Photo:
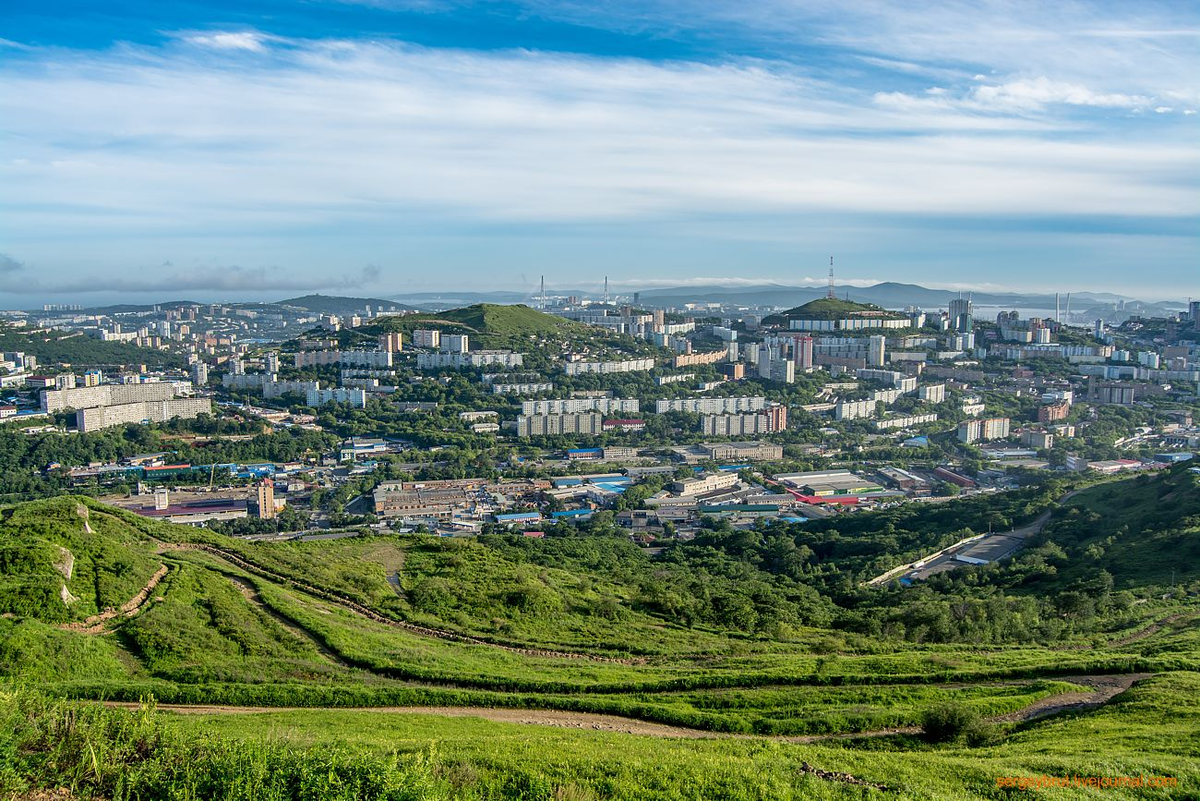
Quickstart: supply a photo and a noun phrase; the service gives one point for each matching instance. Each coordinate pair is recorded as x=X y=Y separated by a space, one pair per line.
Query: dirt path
x=250 y=593
x=372 y=615
x=1150 y=630
x=96 y=623
x=1103 y=689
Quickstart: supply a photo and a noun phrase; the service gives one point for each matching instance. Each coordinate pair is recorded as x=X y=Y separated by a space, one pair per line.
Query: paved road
x=986 y=548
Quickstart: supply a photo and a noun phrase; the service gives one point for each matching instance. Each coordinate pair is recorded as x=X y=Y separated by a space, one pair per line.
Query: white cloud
x=1036 y=93
x=229 y=40
x=1163 y=109
x=181 y=151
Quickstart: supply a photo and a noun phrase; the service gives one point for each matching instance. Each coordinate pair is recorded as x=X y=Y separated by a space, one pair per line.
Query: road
x=980 y=547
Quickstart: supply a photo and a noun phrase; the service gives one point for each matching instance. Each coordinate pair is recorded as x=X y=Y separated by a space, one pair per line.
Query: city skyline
x=260 y=150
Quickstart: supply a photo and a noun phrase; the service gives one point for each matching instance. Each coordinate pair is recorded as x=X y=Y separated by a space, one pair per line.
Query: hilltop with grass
x=837 y=309
x=719 y=667
x=490 y=319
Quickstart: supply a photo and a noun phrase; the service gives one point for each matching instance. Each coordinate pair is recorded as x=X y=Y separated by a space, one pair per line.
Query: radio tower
x=832 y=295
x=606 y=290
x=543 y=292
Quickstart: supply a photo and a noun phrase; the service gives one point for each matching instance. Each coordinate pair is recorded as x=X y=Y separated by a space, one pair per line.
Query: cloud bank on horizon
x=271 y=146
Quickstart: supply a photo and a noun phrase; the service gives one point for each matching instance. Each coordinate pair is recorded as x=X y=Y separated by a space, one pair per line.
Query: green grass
x=280 y=632
x=1123 y=739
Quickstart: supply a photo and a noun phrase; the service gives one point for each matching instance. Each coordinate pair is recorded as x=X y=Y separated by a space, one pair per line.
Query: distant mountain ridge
x=335 y=304
x=889 y=294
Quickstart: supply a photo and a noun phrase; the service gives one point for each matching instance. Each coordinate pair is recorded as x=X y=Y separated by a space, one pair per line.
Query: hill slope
x=835 y=308
x=486 y=319
x=55 y=347
x=334 y=304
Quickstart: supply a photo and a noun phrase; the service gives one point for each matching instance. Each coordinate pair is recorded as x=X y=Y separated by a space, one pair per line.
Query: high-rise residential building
x=576 y=405
x=392 y=342
x=984 y=430
x=93 y=378
x=455 y=343
x=933 y=393
x=960 y=314
x=266 y=500
x=876 y=350
x=272 y=362
x=427 y=338
x=200 y=374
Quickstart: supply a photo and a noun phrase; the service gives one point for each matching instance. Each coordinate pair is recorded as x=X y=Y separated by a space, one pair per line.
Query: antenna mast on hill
x=832 y=295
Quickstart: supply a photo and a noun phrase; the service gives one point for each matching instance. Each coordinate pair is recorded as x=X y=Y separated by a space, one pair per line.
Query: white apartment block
x=319 y=397
x=736 y=425
x=983 y=430
x=906 y=421
x=932 y=393
x=548 y=425
x=56 y=400
x=531 y=388
x=627 y=366
x=355 y=358
x=154 y=411
x=731 y=405
x=576 y=405
x=852 y=410
x=479 y=358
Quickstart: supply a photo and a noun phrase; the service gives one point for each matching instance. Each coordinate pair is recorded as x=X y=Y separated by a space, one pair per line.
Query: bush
x=954 y=722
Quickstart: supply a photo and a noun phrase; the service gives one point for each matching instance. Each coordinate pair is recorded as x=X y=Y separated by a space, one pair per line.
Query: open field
x=437 y=663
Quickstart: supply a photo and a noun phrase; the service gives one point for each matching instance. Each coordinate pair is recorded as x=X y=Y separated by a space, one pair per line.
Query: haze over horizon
x=264 y=149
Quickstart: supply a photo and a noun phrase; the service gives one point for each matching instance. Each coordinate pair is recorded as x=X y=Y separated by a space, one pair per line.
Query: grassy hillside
x=62 y=347
x=335 y=304
x=489 y=319
x=731 y=634
x=834 y=308
x=144 y=753
x=1143 y=530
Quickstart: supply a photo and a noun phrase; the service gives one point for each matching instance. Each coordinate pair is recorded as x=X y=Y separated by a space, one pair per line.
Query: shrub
x=954 y=722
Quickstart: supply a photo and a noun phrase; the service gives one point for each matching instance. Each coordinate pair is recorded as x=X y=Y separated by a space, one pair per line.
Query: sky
x=256 y=149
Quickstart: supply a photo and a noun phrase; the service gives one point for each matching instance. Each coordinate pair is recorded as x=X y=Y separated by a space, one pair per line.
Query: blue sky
x=259 y=149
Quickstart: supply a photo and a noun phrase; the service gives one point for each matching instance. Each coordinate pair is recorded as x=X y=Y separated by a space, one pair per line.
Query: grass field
x=575 y=626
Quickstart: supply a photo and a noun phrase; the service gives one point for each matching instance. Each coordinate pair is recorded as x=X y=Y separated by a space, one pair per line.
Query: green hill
x=738 y=632
x=487 y=319
x=63 y=347
x=836 y=309
x=518 y=320
x=1142 y=531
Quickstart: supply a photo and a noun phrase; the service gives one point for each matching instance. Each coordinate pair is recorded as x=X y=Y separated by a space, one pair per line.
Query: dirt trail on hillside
x=1103 y=689
x=250 y=593
x=1152 y=629
x=372 y=615
x=96 y=623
